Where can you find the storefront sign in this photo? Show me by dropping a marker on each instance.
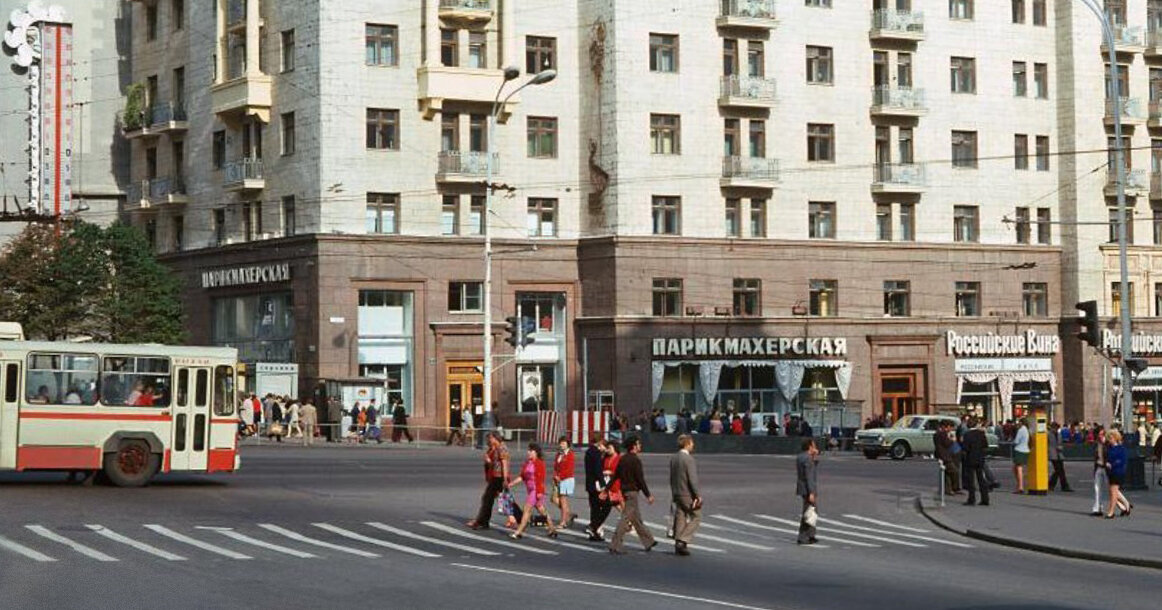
(1002, 365)
(1028, 344)
(250, 274)
(749, 346)
(1143, 344)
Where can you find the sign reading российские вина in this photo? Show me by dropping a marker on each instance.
(1028, 343)
(769, 347)
(246, 274)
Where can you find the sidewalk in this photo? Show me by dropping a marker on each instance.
(1058, 523)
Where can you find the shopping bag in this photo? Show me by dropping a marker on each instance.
(810, 516)
(504, 505)
(276, 429)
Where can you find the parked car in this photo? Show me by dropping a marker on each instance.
(910, 435)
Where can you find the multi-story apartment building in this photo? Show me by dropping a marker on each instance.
(726, 202)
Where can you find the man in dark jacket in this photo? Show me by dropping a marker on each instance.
(807, 487)
(399, 423)
(1057, 458)
(975, 447)
(594, 459)
(948, 458)
(633, 481)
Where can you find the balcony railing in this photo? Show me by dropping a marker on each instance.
(898, 175)
(137, 194)
(1153, 41)
(1137, 180)
(167, 113)
(750, 9)
(467, 163)
(161, 188)
(889, 21)
(751, 168)
(241, 171)
(898, 98)
(1131, 109)
(748, 87)
(1126, 36)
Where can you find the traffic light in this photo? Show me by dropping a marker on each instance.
(1137, 365)
(512, 331)
(1088, 323)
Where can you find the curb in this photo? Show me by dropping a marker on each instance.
(1037, 547)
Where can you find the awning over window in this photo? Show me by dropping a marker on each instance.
(788, 374)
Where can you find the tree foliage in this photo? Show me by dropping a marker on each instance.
(104, 284)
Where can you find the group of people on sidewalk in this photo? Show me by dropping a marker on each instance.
(278, 417)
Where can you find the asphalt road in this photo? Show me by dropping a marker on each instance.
(292, 530)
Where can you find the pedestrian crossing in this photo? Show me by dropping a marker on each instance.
(425, 539)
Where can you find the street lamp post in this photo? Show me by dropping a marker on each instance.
(510, 73)
(1115, 92)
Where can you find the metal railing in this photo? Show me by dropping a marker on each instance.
(758, 9)
(471, 163)
(167, 112)
(1136, 179)
(1153, 38)
(137, 193)
(890, 20)
(1131, 108)
(753, 168)
(1128, 36)
(902, 98)
(750, 87)
(240, 170)
(166, 186)
(483, 5)
(421, 436)
(899, 174)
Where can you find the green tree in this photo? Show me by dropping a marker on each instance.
(142, 300)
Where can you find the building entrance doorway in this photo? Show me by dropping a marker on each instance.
(901, 393)
(465, 388)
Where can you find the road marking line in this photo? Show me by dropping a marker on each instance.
(373, 541)
(662, 527)
(602, 585)
(845, 533)
(430, 540)
(892, 525)
(547, 540)
(76, 546)
(20, 549)
(141, 546)
(293, 535)
(205, 546)
(794, 534)
(456, 532)
(240, 537)
(719, 539)
(861, 528)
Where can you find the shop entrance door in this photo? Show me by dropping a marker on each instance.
(898, 395)
(465, 387)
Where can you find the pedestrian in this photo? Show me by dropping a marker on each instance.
(293, 418)
(455, 422)
(1116, 459)
(684, 491)
(807, 487)
(246, 419)
(309, 416)
(598, 510)
(563, 482)
(1020, 455)
(947, 451)
(974, 447)
(275, 428)
(1057, 459)
(633, 481)
(256, 409)
(399, 423)
(334, 419)
(532, 474)
(371, 414)
(467, 426)
(1101, 479)
(495, 479)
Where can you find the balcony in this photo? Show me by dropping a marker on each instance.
(241, 97)
(440, 83)
(749, 172)
(137, 196)
(889, 24)
(1155, 185)
(1127, 40)
(466, 10)
(1153, 43)
(897, 101)
(243, 175)
(170, 116)
(746, 92)
(1138, 183)
(1132, 111)
(465, 167)
(758, 14)
(898, 178)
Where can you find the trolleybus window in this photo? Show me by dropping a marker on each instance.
(224, 390)
(11, 378)
(201, 387)
(136, 381)
(61, 379)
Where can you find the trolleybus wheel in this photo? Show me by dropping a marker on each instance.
(132, 464)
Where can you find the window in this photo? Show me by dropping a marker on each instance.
(667, 215)
(1044, 226)
(1116, 298)
(1116, 10)
(177, 12)
(884, 221)
(382, 213)
(733, 218)
(730, 139)
(541, 312)
(540, 54)
(1113, 222)
(449, 48)
(450, 215)
(1018, 11)
(1158, 299)
(819, 3)
(964, 149)
(1020, 151)
(1020, 79)
(1022, 224)
(748, 297)
(477, 133)
(537, 388)
(1039, 12)
(465, 297)
(667, 297)
(755, 62)
(288, 51)
(179, 232)
(758, 217)
(449, 131)
(477, 50)
(288, 133)
(382, 129)
(542, 137)
(61, 379)
(224, 392)
(907, 222)
(665, 134)
(218, 152)
(1123, 81)
(965, 223)
(821, 142)
(1042, 153)
(819, 65)
(960, 9)
(821, 219)
(381, 45)
(897, 298)
(251, 220)
(135, 381)
(967, 299)
(542, 217)
(729, 57)
(11, 383)
(476, 215)
(824, 298)
(219, 227)
(758, 138)
(288, 216)
(663, 53)
(179, 88)
(963, 75)
(151, 22)
(1041, 81)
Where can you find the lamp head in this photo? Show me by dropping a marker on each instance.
(543, 77)
(511, 73)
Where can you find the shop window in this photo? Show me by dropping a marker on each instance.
(667, 297)
(260, 326)
(541, 312)
(61, 379)
(747, 297)
(538, 388)
(819, 387)
(897, 298)
(394, 377)
(1158, 299)
(679, 389)
(967, 299)
(980, 400)
(135, 381)
(465, 297)
(385, 341)
(824, 298)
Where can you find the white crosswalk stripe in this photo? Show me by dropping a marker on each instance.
(141, 546)
(76, 546)
(718, 539)
(20, 549)
(915, 530)
(293, 535)
(861, 528)
(194, 542)
(374, 541)
(845, 533)
(436, 541)
(240, 537)
(778, 530)
(537, 537)
(693, 547)
(488, 539)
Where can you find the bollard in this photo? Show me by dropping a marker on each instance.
(942, 477)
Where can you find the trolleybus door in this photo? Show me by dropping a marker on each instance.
(191, 423)
(9, 411)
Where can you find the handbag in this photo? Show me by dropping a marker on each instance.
(504, 506)
(810, 516)
(276, 429)
(555, 498)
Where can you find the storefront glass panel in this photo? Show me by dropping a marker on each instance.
(679, 389)
(260, 326)
(386, 342)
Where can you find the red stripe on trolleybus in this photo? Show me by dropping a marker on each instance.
(96, 416)
(58, 458)
(220, 460)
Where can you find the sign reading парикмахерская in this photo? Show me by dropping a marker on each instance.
(769, 347)
(250, 274)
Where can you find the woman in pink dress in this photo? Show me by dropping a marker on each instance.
(533, 476)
